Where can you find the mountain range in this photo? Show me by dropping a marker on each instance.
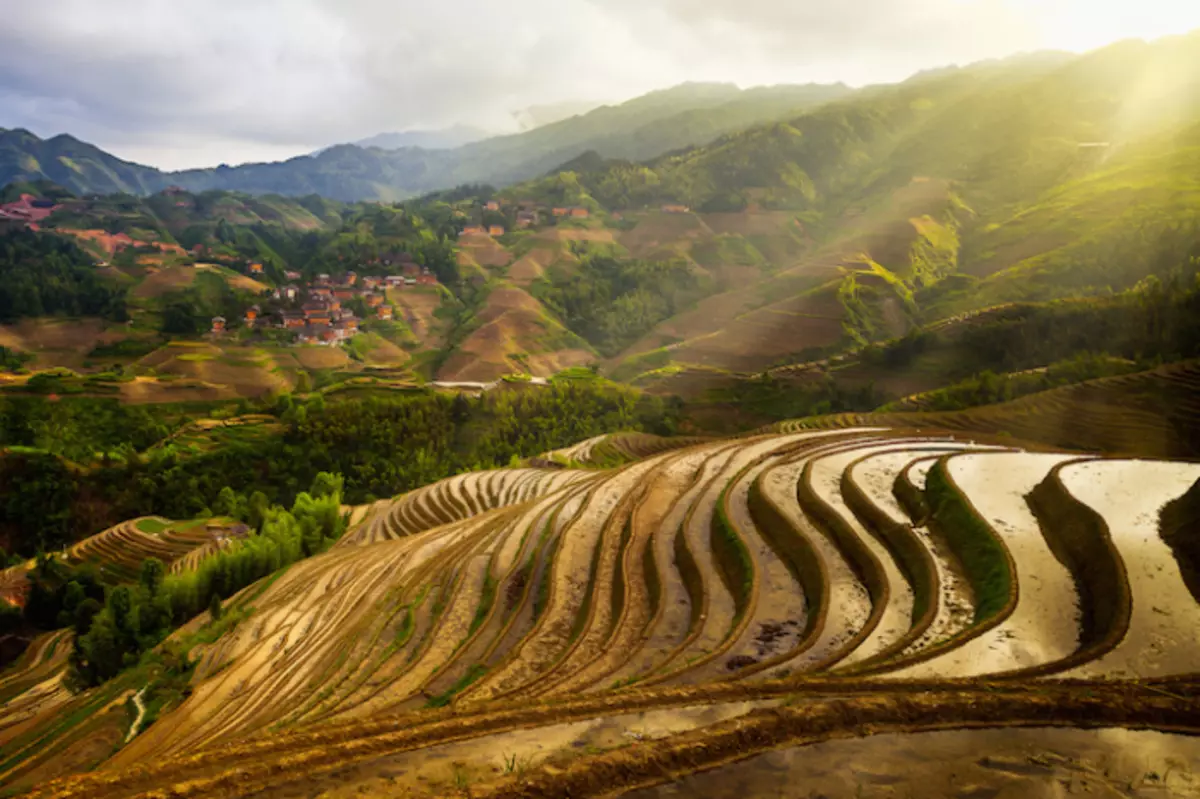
(687, 115)
(440, 139)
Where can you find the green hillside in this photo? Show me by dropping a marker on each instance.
(75, 165)
(641, 128)
(1023, 180)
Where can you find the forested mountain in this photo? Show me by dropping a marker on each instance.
(1030, 179)
(641, 128)
(75, 165)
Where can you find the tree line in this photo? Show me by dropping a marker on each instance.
(383, 445)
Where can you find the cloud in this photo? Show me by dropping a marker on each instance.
(195, 82)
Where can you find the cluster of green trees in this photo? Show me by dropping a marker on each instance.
(1157, 321)
(84, 428)
(137, 618)
(612, 302)
(766, 398)
(42, 274)
(189, 313)
(383, 445)
(988, 387)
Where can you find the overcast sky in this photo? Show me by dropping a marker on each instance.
(181, 83)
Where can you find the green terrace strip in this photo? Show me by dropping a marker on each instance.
(973, 542)
(733, 558)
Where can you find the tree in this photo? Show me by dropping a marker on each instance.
(85, 613)
(228, 503)
(151, 575)
(327, 485)
(214, 607)
(256, 510)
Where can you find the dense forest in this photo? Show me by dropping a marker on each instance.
(382, 445)
(613, 302)
(44, 275)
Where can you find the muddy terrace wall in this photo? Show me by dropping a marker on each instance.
(1180, 525)
(796, 553)
(1079, 538)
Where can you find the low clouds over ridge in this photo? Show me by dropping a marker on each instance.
(197, 82)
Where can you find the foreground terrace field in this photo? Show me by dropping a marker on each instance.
(708, 605)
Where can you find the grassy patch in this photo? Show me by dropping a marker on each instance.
(152, 526)
(486, 598)
(973, 542)
(733, 558)
(445, 698)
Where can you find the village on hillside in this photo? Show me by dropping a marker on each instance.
(317, 312)
(526, 214)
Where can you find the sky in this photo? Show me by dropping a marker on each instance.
(191, 83)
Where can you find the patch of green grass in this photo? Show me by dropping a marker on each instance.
(472, 675)
(733, 558)
(486, 598)
(152, 526)
(973, 542)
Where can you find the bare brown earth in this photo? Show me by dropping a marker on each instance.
(482, 249)
(236, 280)
(240, 371)
(515, 334)
(369, 756)
(416, 308)
(59, 342)
(164, 281)
(659, 234)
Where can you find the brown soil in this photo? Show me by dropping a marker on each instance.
(416, 309)
(280, 764)
(59, 342)
(164, 281)
(484, 250)
(236, 280)
(321, 357)
(510, 339)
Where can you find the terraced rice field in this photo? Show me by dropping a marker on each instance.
(732, 607)
(118, 552)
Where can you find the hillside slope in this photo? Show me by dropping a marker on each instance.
(1014, 181)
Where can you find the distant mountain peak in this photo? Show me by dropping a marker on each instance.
(440, 139)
